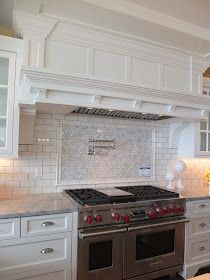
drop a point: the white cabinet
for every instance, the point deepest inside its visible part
(10, 59)
(203, 142)
(29, 250)
(41, 225)
(55, 275)
(57, 272)
(9, 228)
(197, 238)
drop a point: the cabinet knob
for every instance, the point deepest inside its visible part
(202, 248)
(202, 206)
(47, 251)
(202, 225)
(48, 224)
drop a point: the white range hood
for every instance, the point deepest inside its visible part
(70, 64)
(52, 92)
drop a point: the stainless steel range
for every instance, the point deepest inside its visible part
(129, 233)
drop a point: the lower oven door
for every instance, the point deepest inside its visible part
(153, 247)
(100, 254)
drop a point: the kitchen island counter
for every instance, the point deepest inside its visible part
(35, 205)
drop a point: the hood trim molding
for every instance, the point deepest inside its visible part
(43, 86)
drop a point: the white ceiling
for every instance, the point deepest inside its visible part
(6, 7)
(193, 11)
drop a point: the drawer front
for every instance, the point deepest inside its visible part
(200, 249)
(60, 275)
(40, 225)
(60, 272)
(200, 226)
(201, 206)
(9, 228)
(17, 257)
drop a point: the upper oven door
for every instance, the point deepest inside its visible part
(153, 247)
(100, 254)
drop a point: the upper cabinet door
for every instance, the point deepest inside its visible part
(7, 92)
(203, 137)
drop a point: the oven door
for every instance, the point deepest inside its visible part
(100, 254)
(149, 248)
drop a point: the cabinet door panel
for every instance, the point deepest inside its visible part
(7, 93)
(3, 133)
(3, 102)
(4, 70)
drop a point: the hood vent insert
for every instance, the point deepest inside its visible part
(119, 114)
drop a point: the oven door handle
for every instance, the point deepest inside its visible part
(83, 235)
(158, 225)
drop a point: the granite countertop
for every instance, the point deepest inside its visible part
(193, 192)
(35, 204)
(55, 203)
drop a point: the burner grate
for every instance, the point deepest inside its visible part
(148, 192)
(140, 193)
(88, 196)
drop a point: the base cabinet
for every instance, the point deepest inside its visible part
(41, 249)
(47, 276)
(55, 273)
(197, 239)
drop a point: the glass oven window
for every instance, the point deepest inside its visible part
(100, 255)
(149, 245)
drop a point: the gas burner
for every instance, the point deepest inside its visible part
(88, 196)
(134, 194)
(147, 192)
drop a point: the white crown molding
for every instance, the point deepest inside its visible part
(49, 87)
(11, 44)
(29, 24)
(70, 31)
(43, 25)
(140, 12)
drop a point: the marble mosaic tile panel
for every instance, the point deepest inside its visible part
(134, 148)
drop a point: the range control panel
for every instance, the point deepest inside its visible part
(126, 215)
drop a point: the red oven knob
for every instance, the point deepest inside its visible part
(181, 209)
(175, 209)
(88, 219)
(126, 218)
(116, 216)
(168, 210)
(98, 218)
(159, 210)
(152, 214)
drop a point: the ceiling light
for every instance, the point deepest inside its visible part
(143, 113)
(110, 110)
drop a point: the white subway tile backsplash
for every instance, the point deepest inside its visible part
(21, 176)
(11, 170)
(28, 184)
(49, 168)
(36, 168)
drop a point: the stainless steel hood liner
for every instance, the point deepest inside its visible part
(119, 114)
